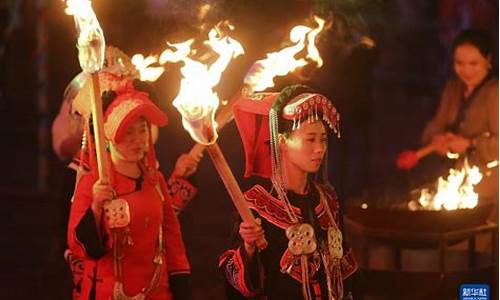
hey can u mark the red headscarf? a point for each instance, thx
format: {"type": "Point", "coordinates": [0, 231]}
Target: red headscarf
{"type": "Point", "coordinates": [251, 115]}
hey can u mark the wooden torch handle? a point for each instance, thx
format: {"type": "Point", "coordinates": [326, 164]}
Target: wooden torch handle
{"type": "Point", "coordinates": [424, 151]}
{"type": "Point", "coordinates": [98, 124]}
{"type": "Point", "coordinates": [232, 187]}
{"type": "Point", "coordinates": [224, 116]}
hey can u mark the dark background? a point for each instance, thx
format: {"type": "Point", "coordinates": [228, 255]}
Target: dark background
{"type": "Point", "coordinates": [385, 96]}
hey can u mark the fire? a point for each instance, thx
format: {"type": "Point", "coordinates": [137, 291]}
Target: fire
{"type": "Point", "coordinates": [283, 62]}
{"type": "Point", "coordinates": [143, 65]}
{"type": "Point", "coordinates": [182, 51]}
{"type": "Point", "coordinates": [196, 101]}
{"type": "Point", "coordinates": [91, 42]}
{"type": "Point", "coordinates": [455, 192]}
{"type": "Point", "coordinates": [152, 73]}
{"type": "Point", "coordinates": [452, 155]}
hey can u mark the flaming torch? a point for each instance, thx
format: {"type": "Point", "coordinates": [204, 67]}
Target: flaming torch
{"type": "Point", "coordinates": [91, 47]}
{"type": "Point", "coordinates": [262, 73]}
{"type": "Point", "coordinates": [259, 77]}
{"type": "Point", "coordinates": [197, 103]}
{"type": "Point", "coordinates": [281, 63]}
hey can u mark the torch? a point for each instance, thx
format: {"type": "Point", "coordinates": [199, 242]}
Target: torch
{"type": "Point", "coordinates": [280, 63]}
{"type": "Point", "coordinates": [262, 73]}
{"type": "Point", "coordinates": [408, 159]}
{"type": "Point", "coordinates": [91, 47]}
{"type": "Point", "coordinates": [197, 103]}
{"type": "Point", "coordinates": [258, 78]}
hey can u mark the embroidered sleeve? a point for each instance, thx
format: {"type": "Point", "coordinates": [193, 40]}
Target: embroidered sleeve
{"type": "Point", "coordinates": [181, 192]}
{"type": "Point", "coordinates": [348, 264]}
{"type": "Point", "coordinates": [241, 272]}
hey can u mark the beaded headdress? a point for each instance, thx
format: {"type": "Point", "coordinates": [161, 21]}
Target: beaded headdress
{"type": "Point", "coordinates": [260, 119]}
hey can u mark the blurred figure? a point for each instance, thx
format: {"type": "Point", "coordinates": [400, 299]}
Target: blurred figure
{"type": "Point", "coordinates": [466, 122]}
{"type": "Point", "coordinates": [467, 118]}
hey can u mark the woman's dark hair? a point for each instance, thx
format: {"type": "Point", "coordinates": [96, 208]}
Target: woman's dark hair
{"type": "Point", "coordinates": [110, 95]}
{"type": "Point", "coordinates": [147, 88]}
{"type": "Point", "coordinates": [476, 38]}
{"type": "Point", "coordinates": [107, 97]}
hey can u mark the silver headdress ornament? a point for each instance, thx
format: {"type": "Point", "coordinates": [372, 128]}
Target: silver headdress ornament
{"type": "Point", "coordinates": [116, 62]}
{"type": "Point", "coordinates": [296, 104]}
{"type": "Point", "coordinates": [117, 73]}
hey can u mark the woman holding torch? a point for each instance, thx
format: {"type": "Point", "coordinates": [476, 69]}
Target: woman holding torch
{"type": "Point", "coordinates": [68, 127]}
{"type": "Point", "coordinates": [126, 230]}
{"type": "Point", "coordinates": [285, 141]}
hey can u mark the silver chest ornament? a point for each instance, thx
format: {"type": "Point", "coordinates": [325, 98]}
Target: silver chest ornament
{"type": "Point", "coordinates": [335, 242]}
{"type": "Point", "coordinates": [301, 239]}
{"type": "Point", "coordinates": [117, 213]}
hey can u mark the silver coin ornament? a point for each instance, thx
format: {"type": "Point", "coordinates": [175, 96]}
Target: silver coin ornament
{"type": "Point", "coordinates": [301, 239]}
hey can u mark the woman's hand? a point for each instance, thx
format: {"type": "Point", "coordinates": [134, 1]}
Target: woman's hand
{"type": "Point", "coordinates": [186, 165]}
{"type": "Point", "coordinates": [440, 143]}
{"type": "Point", "coordinates": [101, 192]}
{"type": "Point", "coordinates": [251, 233]}
{"type": "Point", "coordinates": [457, 143]}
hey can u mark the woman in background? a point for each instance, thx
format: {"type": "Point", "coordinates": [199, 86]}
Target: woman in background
{"type": "Point", "coordinates": [466, 121]}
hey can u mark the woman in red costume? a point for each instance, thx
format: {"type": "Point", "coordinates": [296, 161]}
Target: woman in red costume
{"type": "Point", "coordinates": [132, 245]}
{"type": "Point", "coordinates": [285, 141]}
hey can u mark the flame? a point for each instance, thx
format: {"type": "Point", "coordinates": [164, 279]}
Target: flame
{"type": "Point", "coordinates": [182, 51]}
{"type": "Point", "coordinates": [143, 65]}
{"type": "Point", "coordinates": [312, 51]}
{"type": "Point", "coordinates": [150, 73]}
{"type": "Point", "coordinates": [196, 101]}
{"type": "Point", "coordinates": [455, 192]}
{"type": "Point", "coordinates": [91, 42]}
{"type": "Point", "coordinates": [283, 62]}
